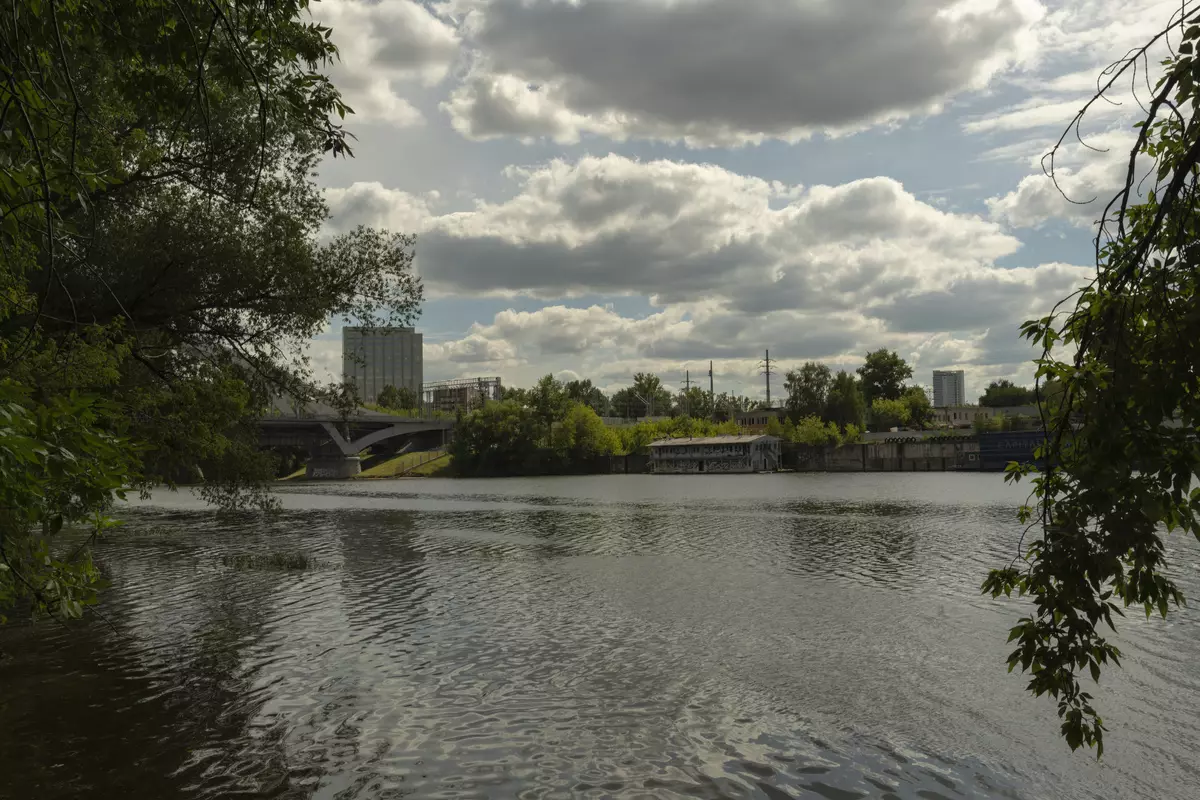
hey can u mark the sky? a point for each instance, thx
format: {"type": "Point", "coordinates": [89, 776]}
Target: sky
{"type": "Point", "coordinates": [604, 187]}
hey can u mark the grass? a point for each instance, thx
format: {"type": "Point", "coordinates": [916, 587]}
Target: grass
{"type": "Point", "coordinates": [269, 561]}
{"type": "Point", "coordinates": [295, 475]}
{"type": "Point", "coordinates": [407, 464]}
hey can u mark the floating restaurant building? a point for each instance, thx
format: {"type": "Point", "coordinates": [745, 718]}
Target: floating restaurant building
{"type": "Point", "coordinates": [720, 454]}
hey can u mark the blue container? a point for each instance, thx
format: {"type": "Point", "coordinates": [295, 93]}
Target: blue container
{"type": "Point", "coordinates": [996, 450]}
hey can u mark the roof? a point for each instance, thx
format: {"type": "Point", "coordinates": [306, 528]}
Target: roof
{"type": "Point", "coordinates": [756, 411]}
{"type": "Point", "coordinates": [700, 440]}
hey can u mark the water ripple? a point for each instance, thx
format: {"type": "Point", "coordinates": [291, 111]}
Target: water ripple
{"type": "Point", "coordinates": [732, 637]}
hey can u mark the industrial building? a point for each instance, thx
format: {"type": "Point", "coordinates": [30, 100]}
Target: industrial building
{"type": "Point", "coordinates": [719, 454]}
{"type": "Point", "coordinates": [758, 419]}
{"type": "Point", "coordinates": [463, 394]}
{"type": "Point", "coordinates": [373, 358]}
{"type": "Point", "coordinates": [949, 388]}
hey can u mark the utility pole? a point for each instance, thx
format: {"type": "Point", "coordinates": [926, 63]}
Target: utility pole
{"type": "Point", "coordinates": [767, 371]}
{"type": "Point", "coordinates": [687, 388]}
{"type": "Point", "coordinates": [712, 395]}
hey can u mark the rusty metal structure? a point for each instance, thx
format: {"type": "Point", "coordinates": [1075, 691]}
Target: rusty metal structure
{"type": "Point", "coordinates": [462, 394]}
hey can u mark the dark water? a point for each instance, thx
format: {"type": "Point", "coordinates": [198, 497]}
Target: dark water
{"type": "Point", "coordinates": [733, 636]}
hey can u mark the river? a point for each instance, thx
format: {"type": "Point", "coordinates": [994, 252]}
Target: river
{"type": "Point", "coordinates": [614, 636]}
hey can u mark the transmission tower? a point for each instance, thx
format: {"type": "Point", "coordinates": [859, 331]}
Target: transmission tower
{"type": "Point", "coordinates": [766, 370]}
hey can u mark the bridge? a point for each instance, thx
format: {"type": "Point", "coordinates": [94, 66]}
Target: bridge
{"type": "Point", "coordinates": [334, 440]}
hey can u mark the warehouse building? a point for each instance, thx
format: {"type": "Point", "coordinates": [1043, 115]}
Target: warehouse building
{"type": "Point", "coordinates": [716, 454]}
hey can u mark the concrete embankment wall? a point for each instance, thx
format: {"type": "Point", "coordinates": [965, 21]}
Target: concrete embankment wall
{"type": "Point", "coordinates": [631, 464]}
{"type": "Point", "coordinates": [910, 456]}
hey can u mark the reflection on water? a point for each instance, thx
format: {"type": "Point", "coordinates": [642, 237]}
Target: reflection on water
{"type": "Point", "coordinates": [740, 636]}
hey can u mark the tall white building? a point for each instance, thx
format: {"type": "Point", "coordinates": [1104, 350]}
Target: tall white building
{"type": "Point", "coordinates": [373, 358]}
{"type": "Point", "coordinates": [949, 388]}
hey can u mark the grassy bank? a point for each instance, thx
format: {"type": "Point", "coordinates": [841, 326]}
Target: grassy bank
{"type": "Point", "coordinates": [421, 464]}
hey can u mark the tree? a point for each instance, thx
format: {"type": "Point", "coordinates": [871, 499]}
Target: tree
{"type": "Point", "coordinates": [656, 397]}
{"type": "Point", "coordinates": [499, 439]}
{"type": "Point", "coordinates": [920, 410]}
{"type": "Point", "coordinates": [694, 402]}
{"type": "Point", "coordinates": [807, 390]}
{"type": "Point", "coordinates": [1005, 394]}
{"type": "Point", "coordinates": [582, 391]}
{"type": "Point", "coordinates": [162, 262]}
{"type": "Point", "coordinates": [548, 400]}
{"type": "Point", "coordinates": [1119, 460]}
{"type": "Point", "coordinates": [727, 405]}
{"type": "Point", "coordinates": [583, 436]}
{"type": "Point", "coordinates": [844, 404]}
{"type": "Point", "coordinates": [886, 414]}
{"type": "Point", "coordinates": [774, 427]}
{"type": "Point", "coordinates": [516, 395]}
{"type": "Point", "coordinates": [814, 431]}
{"type": "Point", "coordinates": [883, 374]}
{"type": "Point", "coordinates": [389, 397]}
{"type": "Point", "coordinates": [402, 399]}
{"type": "Point", "coordinates": [647, 397]}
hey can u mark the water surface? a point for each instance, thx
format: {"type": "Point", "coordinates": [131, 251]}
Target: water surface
{"type": "Point", "coordinates": [615, 636]}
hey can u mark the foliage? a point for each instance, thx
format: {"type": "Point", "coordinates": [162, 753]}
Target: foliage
{"type": "Point", "coordinates": [844, 404]}
{"type": "Point", "coordinates": [582, 436]}
{"type": "Point", "coordinates": [693, 402]}
{"type": "Point", "coordinates": [58, 469]}
{"type": "Point", "coordinates": [548, 400]}
{"type": "Point", "coordinates": [1121, 456]}
{"type": "Point", "coordinates": [499, 439]}
{"type": "Point", "coordinates": [814, 431]}
{"type": "Point", "coordinates": [400, 399]}
{"type": "Point", "coordinates": [882, 375]}
{"type": "Point", "coordinates": [984, 423]}
{"type": "Point", "coordinates": [582, 391]}
{"type": "Point", "coordinates": [508, 438]}
{"type": "Point", "coordinates": [647, 397]}
{"type": "Point", "coordinates": [159, 221]}
{"type": "Point", "coordinates": [1005, 394]}
{"type": "Point", "coordinates": [726, 405]}
{"type": "Point", "coordinates": [807, 390]}
{"type": "Point", "coordinates": [920, 410]}
{"type": "Point", "coordinates": [886, 414]}
{"type": "Point", "coordinates": [775, 427]}
{"type": "Point", "coordinates": [634, 439]}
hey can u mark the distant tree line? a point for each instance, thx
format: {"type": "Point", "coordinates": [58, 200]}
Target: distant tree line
{"type": "Point", "coordinates": [876, 394]}
{"type": "Point", "coordinates": [555, 428]}
{"type": "Point", "coordinates": [646, 397]}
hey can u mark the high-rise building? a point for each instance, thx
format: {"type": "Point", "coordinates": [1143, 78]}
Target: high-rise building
{"type": "Point", "coordinates": [949, 388]}
{"type": "Point", "coordinates": [373, 358]}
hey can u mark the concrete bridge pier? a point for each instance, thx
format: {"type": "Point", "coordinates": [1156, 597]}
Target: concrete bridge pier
{"type": "Point", "coordinates": [329, 463]}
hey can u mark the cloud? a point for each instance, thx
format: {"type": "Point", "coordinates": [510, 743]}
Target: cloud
{"type": "Point", "coordinates": [732, 265]}
{"type": "Point", "coordinates": [682, 233]}
{"type": "Point", "coordinates": [1086, 181]}
{"type": "Point", "coordinates": [385, 49]}
{"type": "Point", "coordinates": [725, 72]}
{"type": "Point", "coordinates": [369, 203]}
{"type": "Point", "coordinates": [1076, 41]}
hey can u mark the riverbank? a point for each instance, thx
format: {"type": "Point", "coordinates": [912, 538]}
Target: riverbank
{"type": "Point", "coordinates": [988, 452]}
